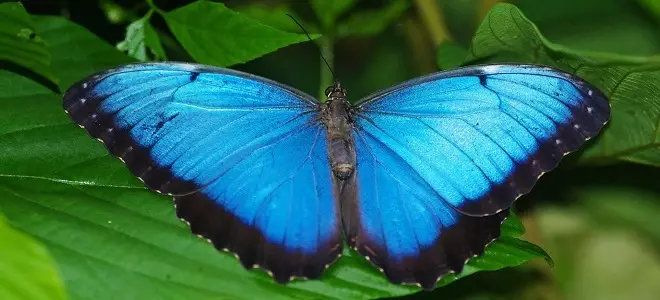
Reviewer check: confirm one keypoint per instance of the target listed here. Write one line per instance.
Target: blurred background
(599, 221)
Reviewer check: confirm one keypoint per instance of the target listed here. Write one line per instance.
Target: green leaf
(26, 269)
(513, 226)
(20, 44)
(142, 42)
(373, 22)
(275, 15)
(329, 11)
(631, 83)
(507, 251)
(76, 52)
(216, 35)
(152, 42)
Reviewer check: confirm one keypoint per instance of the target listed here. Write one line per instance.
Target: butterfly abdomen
(342, 158)
(341, 148)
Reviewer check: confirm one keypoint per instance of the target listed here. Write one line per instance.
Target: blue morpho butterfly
(417, 178)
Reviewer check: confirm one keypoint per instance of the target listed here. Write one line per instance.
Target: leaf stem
(147, 16)
(155, 8)
(326, 44)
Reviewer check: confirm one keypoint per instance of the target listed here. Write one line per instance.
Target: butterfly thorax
(337, 119)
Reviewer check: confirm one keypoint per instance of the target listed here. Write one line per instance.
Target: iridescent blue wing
(443, 157)
(244, 157)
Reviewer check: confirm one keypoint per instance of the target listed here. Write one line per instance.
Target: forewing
(442, 158)
(245, 158)
(482, 136)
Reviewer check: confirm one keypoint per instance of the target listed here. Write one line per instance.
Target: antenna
(310, 39)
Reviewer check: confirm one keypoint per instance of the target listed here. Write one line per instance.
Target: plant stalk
(432, 18)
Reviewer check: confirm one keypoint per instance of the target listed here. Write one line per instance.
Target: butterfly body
(339, 125)
(417, 178)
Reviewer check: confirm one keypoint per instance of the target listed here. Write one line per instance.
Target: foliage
(632, 83)
(142, 41)
(19, 43)
(26, 269)
(111, 238)
(215, 35)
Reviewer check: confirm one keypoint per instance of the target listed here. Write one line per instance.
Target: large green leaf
(76, 52)
(631, 83)
(110, 236)
(20, 44)
(142, 42)
(216, 35)
(26, 269)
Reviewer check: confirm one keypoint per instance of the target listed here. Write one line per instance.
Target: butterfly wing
(443, 157)
(395, 219)
(244, 157)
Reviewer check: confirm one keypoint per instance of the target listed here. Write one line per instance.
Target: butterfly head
(335, 91)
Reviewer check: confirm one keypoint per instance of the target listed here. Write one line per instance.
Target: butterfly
(417, 178)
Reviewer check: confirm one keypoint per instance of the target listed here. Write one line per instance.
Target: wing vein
(450, 141)
(202, 141)
(393, 176)
(531, 119)
(316, 195)
(541, 75)
(492, 141)
(428, 185)
(378, 205)
(283, 136)
(568, 106)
